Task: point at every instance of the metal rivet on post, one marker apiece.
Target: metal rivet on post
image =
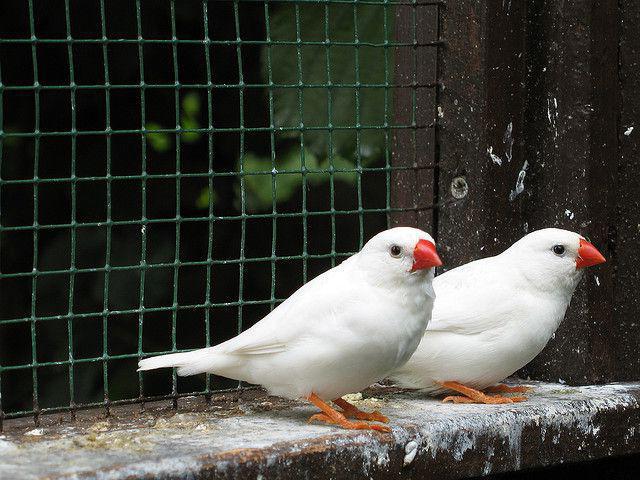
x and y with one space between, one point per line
459 187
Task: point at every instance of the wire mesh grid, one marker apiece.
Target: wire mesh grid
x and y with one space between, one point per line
170 173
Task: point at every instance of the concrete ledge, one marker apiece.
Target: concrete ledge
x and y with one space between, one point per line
257 436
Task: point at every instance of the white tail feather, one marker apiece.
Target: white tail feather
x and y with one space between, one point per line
189 363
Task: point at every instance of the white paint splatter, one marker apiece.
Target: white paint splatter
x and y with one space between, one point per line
410 451
440 111
628 131
495 158
488 466
519 182
507 139
552 115
36 432
595 277
569 214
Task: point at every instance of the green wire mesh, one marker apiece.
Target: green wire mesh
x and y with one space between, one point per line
84 355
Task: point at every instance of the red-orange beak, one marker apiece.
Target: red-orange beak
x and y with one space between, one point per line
588 255
425 256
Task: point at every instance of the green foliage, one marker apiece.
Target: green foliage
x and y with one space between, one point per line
260 190
202 201
160 141
281 183
191 104
190 124
189 117
338 64
189 113
327 74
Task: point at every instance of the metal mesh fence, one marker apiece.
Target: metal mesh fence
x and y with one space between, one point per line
170 171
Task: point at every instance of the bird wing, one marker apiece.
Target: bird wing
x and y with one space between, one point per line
260 339
311 304
472 299
270 345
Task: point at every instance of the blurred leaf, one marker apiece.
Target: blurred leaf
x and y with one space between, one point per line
259 191
259 188
338 163
191 104
189 117
312 103
189 123
202 201
161 141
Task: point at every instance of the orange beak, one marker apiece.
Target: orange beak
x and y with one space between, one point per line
425 256
588 255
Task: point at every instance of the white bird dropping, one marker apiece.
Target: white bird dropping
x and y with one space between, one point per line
338 334
493 316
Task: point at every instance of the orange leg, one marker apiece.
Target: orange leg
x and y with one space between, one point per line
351 411
458 399
332 416
502 388
471 395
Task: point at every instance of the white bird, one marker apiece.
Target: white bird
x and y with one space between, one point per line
344 330
493 316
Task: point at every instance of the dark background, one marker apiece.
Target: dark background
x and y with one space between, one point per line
55 199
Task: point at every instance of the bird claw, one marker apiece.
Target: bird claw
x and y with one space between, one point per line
499 399
377 427
321 417
457 399
517 399
351 411
471 395
502 388
369 417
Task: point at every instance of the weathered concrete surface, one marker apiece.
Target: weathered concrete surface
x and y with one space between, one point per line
265 437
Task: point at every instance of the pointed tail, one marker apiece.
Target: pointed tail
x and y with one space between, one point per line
188 363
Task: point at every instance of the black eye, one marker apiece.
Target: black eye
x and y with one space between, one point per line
395 250
558 249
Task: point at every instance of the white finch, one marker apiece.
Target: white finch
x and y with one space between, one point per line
493 316
339 333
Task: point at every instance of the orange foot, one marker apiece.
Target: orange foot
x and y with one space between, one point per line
321 417
502 388
351 411
471 395
333 417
